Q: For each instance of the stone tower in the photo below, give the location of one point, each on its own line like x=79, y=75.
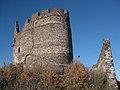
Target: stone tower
x=45, y=39
x=105, y=64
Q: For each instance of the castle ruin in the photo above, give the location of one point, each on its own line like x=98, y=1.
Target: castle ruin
x=105, y=64
x=45, y=39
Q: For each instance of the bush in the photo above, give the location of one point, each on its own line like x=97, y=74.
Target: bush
x=74, y=76
x=98, y=81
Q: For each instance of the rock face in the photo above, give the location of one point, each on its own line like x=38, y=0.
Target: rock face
x=105, y=64
x=45, y=39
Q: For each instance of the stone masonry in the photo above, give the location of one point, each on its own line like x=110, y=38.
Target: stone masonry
x=45, y=39
x=105, y=64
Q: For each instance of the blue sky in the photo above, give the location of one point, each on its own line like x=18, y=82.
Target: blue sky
x=91, y=21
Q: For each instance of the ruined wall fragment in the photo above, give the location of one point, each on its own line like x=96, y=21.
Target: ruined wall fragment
x=105, y=64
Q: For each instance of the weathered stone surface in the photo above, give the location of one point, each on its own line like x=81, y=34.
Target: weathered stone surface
x=45, y=39
x=105, y=64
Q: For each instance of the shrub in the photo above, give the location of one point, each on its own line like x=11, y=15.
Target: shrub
x=74, y=76
x=98, y=81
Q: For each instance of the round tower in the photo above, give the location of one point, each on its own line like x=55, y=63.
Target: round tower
x=46, y=39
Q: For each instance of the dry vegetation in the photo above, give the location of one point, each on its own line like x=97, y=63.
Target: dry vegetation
x=73, y=77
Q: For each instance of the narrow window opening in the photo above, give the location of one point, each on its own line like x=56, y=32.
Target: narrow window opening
x=19, y=50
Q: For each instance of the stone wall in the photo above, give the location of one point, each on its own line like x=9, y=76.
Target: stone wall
x=105, y=64
x=45, y=39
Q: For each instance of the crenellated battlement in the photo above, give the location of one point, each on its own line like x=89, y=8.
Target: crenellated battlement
x=46, y=13
x=35, y=16
x=56, y=11
x=47, y=17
